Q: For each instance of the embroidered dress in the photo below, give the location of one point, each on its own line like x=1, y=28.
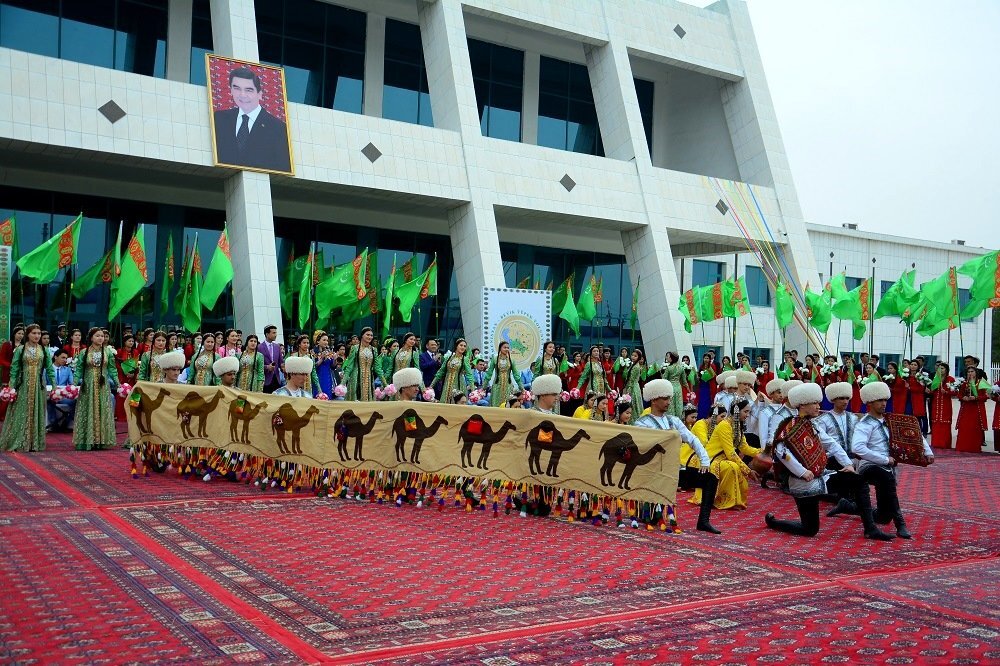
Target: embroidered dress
x=498, y=378
x=200, y=373
x=30, y=372
x=727, y=466
x=941, y=412
x=456, y=375
x=631, y=387
x=593, y=378
x=971, y=425
x=94, y=428
x=546, y=365
x=674, y=374
x=149, y=369
x=250, y=376
x=360, y=372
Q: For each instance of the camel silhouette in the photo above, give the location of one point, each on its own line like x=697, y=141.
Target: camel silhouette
x=622, y=449
x=545, y=437
x=250, y=412
x=286, y=419
x=145, y=409
x=194, y=405
x=350, y=425
x=410, y=425
x=486, y=437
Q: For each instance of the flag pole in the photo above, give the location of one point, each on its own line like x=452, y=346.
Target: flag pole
x=871, y=305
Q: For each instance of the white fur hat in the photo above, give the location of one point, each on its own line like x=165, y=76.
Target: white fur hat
x=546, y=385
x=746, y=377
x=171, y=360
x=839, y=390
x=875, y=391
x=721, y=378
x=803, y=394
x=789, y=385
x=774, y=385
x=732, y=382
x=407, y=377
x=225, y=364
x=298, y=365
x=657, y=388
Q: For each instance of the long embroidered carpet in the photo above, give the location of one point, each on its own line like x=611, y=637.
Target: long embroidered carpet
x=96, y=566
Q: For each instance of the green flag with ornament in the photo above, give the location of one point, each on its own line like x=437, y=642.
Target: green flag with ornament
x=44, y=262
x=220, y=272
x=99, y=273
x=132, y=275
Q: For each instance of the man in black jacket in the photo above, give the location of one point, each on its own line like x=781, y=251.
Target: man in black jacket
x=248, y=135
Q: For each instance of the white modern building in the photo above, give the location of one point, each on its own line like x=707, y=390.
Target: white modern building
x=514, y=139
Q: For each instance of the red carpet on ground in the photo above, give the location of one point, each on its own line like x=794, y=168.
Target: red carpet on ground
x=99, y=567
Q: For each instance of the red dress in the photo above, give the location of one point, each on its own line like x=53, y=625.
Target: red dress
x=972, y=423
x=125, y=377
x=72, y=351
x=996, y=418
x=899, y=390
x=763, y=379
x=6, y=358
x=918, y=396
x=941, y=414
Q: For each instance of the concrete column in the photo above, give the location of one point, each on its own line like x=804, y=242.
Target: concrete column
x=234, y=29
x=374, y=65
x=179, y=40
x=529, y=98
x=472, y=226
x=251, y=239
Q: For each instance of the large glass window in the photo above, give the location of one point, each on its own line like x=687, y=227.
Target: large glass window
x=498, y=74
x=127, y=35
x=705, y=273
x=757, y=287
x=852, y=282
x=567, y=117
x=885, y=286
x=321, y=47
x=644, y=91
x=405, y=95
x=201, y=39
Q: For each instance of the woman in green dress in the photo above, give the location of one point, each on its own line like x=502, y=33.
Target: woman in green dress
x=674, y=373
x=200, y=371
x=548, y=364
x=383, y=364
x=30, y=372
x=361, y=369
x=632, y=376
x=95, y=373
x=455, y=373
x=250, y=376
x=302, y=349
x=406, y=356
x=149, y=369
x=593, y=378
x=501, y=374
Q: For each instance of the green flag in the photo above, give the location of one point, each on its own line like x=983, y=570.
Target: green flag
x=784, y=306
x=8, y=236
x=422, y=286
x=408, y=270
x=387, y=322
x=941, y=296
x=711, y=302
x=900, y=296
x=734, y=298
x=291, y=282
x=132, y=275
x=306, y=288
x=683, y=307
x=344, y=287
x=818, y=310
x=182, y=291
x=569, y=313
x=525, y=281
x=634, y=315
x=44, y=262
x=586, y=307
x=560, y=295
x=985, y=274
x=370, y=302
x=190, y=310
x=693, y=305
x=220, y=272
x=838, y=287
x=167, y=279
x=98, y=273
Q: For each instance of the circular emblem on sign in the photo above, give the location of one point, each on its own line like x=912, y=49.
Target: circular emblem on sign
x=524, y=337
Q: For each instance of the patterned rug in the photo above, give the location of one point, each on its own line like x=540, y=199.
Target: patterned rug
x=363, y=575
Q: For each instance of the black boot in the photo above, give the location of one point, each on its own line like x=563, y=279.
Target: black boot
x=900, y=524
x=843, y=506
x=789, y=526
x=709, y=484
x=871, y=529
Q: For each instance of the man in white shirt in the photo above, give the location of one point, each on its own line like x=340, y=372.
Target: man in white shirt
x=807, y=485
x=725, y=397
x=870, y=447
x=839, y=424
x=547, y=389
x=298, y=369
x=658, y=393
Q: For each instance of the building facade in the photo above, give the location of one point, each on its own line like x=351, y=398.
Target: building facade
x=512, y=139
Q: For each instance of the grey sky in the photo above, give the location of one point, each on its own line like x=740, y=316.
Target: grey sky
x=890, y=111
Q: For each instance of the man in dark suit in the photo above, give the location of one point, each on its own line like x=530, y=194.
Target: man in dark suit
x=248, y=135
x=430, y=362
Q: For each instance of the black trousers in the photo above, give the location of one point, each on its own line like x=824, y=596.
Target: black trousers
x=885, y=492
x=693, y=478
x=843, y=484
x=272, y=385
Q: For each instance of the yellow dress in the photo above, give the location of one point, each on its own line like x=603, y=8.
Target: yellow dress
x=581, y=412
x=727, y=466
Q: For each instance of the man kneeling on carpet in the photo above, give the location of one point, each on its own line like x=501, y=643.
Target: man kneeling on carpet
x=659, y=393
x=870, y=447
x=803, y=450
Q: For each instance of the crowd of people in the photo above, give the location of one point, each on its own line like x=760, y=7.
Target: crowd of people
x=738, y=422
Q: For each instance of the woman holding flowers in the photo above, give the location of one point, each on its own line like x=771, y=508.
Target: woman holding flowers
x=972, y=423
x=95, y=373
x=30, y=372
x=455, y=373
x=941, y=413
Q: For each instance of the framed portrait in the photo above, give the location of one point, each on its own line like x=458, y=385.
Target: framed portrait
x=249, y=115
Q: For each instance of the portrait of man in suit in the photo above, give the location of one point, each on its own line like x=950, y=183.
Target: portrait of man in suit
x=246, y=134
